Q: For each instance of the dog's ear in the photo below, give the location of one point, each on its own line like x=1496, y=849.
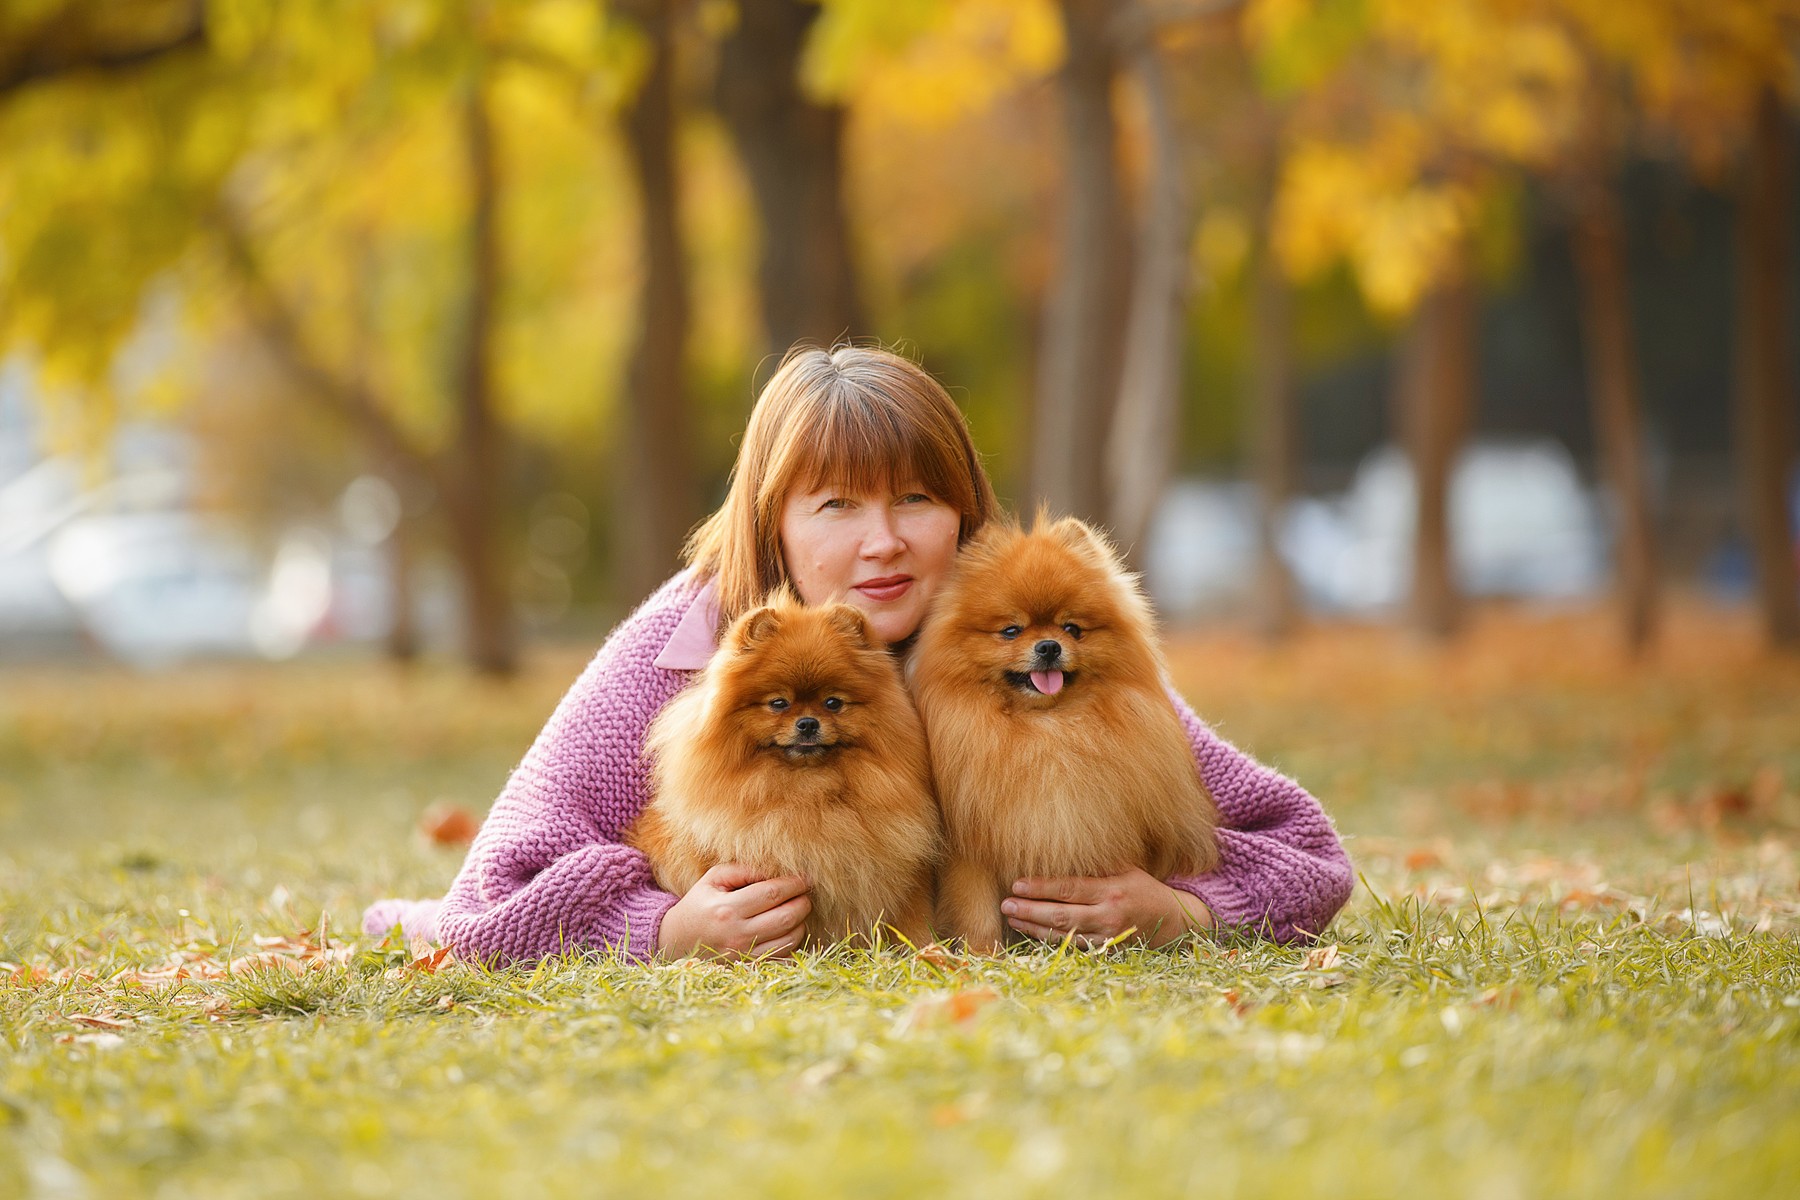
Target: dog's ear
x=849, y=620
x=1079, y=535
x=756, y=627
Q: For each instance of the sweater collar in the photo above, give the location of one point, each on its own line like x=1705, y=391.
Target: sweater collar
x=695, y=638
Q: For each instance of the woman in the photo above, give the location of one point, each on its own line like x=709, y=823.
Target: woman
x=856, y=477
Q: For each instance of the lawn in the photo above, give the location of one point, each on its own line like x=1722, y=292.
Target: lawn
x=1571, y=968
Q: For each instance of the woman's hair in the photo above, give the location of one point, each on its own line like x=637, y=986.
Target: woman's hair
x=856, y=417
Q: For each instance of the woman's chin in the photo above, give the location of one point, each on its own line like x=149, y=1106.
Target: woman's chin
x=890, y=626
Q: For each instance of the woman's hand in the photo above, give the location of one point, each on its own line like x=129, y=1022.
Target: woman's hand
x=1098, y=909
x=733, y=912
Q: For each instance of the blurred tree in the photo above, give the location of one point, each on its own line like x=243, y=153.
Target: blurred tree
x=1765, y=390
x=1434, y=400
x=792, y=147
x=653, y=461
x=1599, y=244
x=1143, y=434
x=1081, y=342
x=473, y=494
x=244, y=179
x=49, y=41
x=1274, y=436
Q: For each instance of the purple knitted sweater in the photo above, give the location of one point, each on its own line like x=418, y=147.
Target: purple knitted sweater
x=548, y=872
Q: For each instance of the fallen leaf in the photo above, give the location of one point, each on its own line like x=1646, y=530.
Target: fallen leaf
x=429, y=960
x=98, y=1022
x=957, y=1008
x=1321, y=958
x=942, y=957
x=448, y=825
x=1418, y=860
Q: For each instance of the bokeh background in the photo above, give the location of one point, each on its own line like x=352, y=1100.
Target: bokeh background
x=426, y=328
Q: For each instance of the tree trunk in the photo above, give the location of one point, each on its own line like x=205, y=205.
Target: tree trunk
x=1146, y=421
x=1613, y=384
x=1765, y=400
x=1080, y=346
x=1436, y=394
x=1274, y=437
x=403, y=621
x=793, y=152
x=657, y=498
x=474, y=497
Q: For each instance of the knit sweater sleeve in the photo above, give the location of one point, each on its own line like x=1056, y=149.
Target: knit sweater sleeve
x=1282, y=872
x=548, y=870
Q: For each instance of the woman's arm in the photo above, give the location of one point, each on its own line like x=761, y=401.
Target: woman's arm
x=548, y=871
x=1282, y=871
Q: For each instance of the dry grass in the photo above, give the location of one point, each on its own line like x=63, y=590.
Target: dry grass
x=1575, y=964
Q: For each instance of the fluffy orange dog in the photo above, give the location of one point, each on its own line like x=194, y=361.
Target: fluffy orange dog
x=797, y=751
x=1053, y=743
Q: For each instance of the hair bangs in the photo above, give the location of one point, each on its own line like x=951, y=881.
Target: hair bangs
x=861, y=438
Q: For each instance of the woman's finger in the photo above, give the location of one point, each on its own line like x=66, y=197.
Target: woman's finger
x=765, y=895
x=780, y=921
x=729, y=877
x=1048, y=913
x=1067, y=889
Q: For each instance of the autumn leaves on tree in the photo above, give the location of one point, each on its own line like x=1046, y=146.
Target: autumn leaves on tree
x=418, y=219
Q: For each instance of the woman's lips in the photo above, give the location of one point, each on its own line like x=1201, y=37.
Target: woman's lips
x=891, y=587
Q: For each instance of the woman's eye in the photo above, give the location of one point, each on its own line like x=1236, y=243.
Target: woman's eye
x=1011, y=632
x=836, y=502
x=1073, y=630
x=915, y=498
x=778, y=704
x=833, y=704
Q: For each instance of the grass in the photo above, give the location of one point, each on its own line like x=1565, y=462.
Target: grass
x=1572, y=966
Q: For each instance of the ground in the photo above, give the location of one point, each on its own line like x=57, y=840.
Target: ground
x=1571, y=965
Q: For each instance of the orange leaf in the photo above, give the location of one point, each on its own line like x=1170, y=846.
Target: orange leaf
x=957, y=1008
x=448, y=825
x=430, y=960
x=98, y=1022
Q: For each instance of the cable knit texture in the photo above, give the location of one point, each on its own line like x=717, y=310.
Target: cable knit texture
x=548, y=873
x=1282, y=872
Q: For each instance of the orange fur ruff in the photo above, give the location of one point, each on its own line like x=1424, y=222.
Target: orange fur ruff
x=1092, y=779
x=850, y=809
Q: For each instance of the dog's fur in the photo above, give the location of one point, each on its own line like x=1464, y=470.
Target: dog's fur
x=1093, y=779
x=850, y=808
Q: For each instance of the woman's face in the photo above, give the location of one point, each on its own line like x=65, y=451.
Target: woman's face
x=886, y=553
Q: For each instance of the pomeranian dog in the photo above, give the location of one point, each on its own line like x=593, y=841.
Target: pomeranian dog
x=1054, y=746
x=798, y=752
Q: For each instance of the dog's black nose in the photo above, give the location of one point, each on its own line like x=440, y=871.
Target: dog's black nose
x=1048, y=649
x=807, y=726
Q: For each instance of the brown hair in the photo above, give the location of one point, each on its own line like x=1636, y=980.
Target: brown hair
x=856, y=416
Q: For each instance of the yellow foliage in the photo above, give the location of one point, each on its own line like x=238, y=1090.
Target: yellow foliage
x=1221, y=244
x=1368, y=205
x=930, y=62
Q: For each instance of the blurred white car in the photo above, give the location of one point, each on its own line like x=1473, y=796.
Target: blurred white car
x=154, y=588
x=1522, y=524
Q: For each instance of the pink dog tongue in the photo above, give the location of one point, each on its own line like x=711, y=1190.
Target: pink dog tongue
x=1047, y=682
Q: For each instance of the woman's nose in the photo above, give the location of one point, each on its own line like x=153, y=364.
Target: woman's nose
x=880, y=539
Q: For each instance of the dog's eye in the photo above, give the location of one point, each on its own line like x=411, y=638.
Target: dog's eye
x=1011, y=632
x=1073, y=630
x=833, y=704
x=779, y=704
